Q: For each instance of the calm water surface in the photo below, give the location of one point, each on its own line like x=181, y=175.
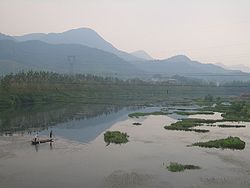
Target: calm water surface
x=80, y=158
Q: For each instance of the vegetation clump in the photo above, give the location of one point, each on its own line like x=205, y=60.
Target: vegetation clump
x=139, y=114
x=238, y=110
x=34, y=88
x=177, y=167
x=187, y=125
x=193, y=113
x=227, y=143
x=231, y=126
x=116, y=137
x=136, y=123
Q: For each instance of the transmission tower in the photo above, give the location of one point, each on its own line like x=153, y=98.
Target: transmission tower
x=71, y=60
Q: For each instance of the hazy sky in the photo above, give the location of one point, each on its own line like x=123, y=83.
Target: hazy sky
x=216, y=31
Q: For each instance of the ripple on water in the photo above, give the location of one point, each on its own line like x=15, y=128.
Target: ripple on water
x=123, y=179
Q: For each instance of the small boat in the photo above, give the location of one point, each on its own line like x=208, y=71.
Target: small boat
x=40, y=141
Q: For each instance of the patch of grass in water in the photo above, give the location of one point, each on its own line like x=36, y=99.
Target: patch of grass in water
x=187, y=125
x=139, y=114
x=177, y=167
x=116, y=137
x=193, y=113
x=136, y=123
x=231, y=126
x=227, y=143
x=236, y=111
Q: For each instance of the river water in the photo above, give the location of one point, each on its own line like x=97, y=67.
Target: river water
x=79, y=156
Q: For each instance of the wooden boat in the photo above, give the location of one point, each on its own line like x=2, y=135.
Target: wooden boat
x=40, y=141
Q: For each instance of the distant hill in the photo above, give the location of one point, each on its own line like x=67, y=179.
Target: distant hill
x=180, y=64
x=83, y=36
x=183, y=66
x=84, y=51
x=221, y=65
x=240, y=67
x=142, y=54
x=63, y=58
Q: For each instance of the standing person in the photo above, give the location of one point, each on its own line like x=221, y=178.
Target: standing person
x=50, y=134
x=36, y=137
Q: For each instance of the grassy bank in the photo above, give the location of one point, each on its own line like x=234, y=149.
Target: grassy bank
x=32, y=88
x=45, y=88
x=232, y=109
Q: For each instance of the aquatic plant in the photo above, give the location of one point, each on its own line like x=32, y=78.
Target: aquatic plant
x=187, y=125
x=136, y=123
x=193, y=113
x=116, y=137
x=227, y=143
x=177, y=167
x=138, y=114
x=231, y=126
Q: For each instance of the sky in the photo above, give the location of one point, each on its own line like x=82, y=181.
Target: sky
x=210, y=31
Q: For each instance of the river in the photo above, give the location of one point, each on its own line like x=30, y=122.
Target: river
x=79, y=156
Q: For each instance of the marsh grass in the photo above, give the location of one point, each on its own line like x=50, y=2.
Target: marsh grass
x=190, y=123
x=193, y=113
x=187, y=125
x=227, y=143
x=237, y=110
x=139, y=114
x=177, y=167
x=231, y=126
x=116, y=137
x=136, y=123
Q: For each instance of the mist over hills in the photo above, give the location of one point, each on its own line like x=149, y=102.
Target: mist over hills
x=181, y=64
x=84, y=51
x=184, y=66
x=142, y=54
x=63, y=58
x=240, y=67
x=84, y=36
x=6, y=37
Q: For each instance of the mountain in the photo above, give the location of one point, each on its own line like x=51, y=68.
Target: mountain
x=63, y=58
x=83, y=36
x=142, y=54
x=240, y=67
x=222, y=65
x=84, y=51
x=180, y=64
x=183, y=66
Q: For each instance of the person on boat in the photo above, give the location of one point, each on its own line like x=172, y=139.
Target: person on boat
x=50, y=134
x=36, y=137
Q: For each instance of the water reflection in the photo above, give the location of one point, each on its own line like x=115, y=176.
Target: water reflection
x=86, y=130
x=81, y=123
x=33, y=118
x=36, y=147
x=50, y=144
